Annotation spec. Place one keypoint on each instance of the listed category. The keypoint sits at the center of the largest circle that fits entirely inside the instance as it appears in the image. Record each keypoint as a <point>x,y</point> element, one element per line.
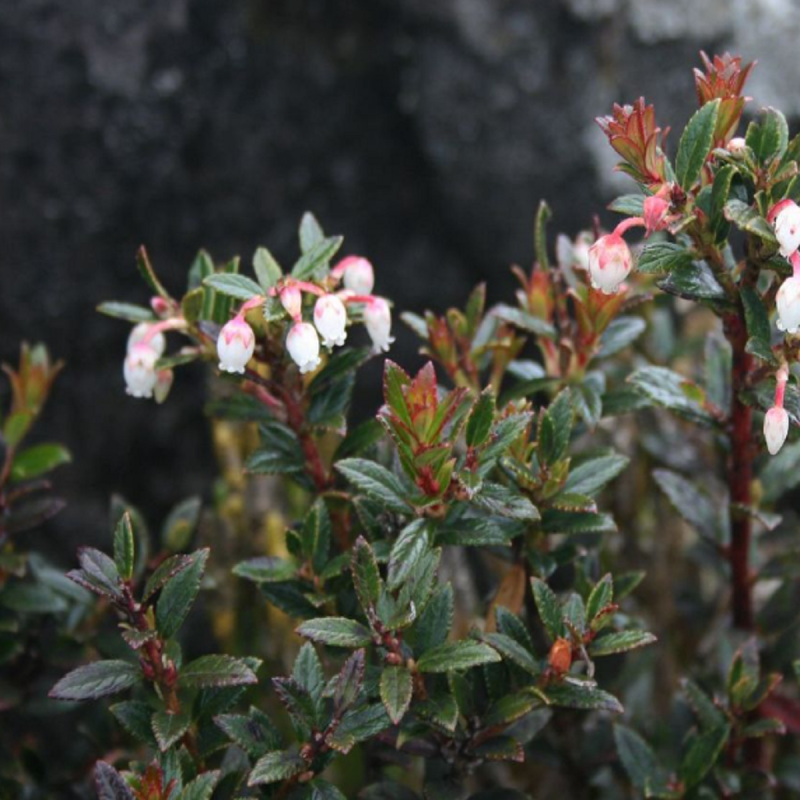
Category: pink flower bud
<point>292,301</point>
<point>787,301</point>
<point>358,274</point>
<point>157,343</point>
<point>235,345</point>
<point>330,317</point>
<point>139,371</point>
<point>160,306</point>
<point>655,213</point>
<point>610,262</point>
<point>378,320</point>
<point>776,428</point>
<point>737,146</point>
<point>302,343</point>
<point>164,379</point>
<point>785,219</point>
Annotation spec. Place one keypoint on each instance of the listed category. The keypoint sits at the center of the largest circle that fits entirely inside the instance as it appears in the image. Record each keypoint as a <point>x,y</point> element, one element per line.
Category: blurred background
<point>425,131</point>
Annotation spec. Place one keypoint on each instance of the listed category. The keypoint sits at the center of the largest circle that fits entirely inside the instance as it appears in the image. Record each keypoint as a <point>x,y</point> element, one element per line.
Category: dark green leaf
<point>481,419</point>
<point>135,717</point>
<point>659,257</point>
<point>695,281</point>
<point>702,754</point>
<point>169,728</point>
<point>266,268</point>
<point>336,631</point>
<point>621,332</point>
<point>123,547</point>
<point>747,219</point>
<point>636,756</point>
<point>768,138</point>
<point>313,264</point>
<point>620,642</point>
<point>366,577</point>
<point>127,311</point>
<point>99,679</point>
<point>376,482</point>
<point>513,651</point>
<point>524,321</point>
<point>358,725</point>
<point>549,608</point>
<point>457,656</point>
<point>232,285</point>
<point>670,390</point>
<point>38,460</point>
<point>254,732</point>
<point>410,545</point>
<point>279,765</point>
<point>181,523</point>
<point>217,670</point>
<point>695,144</point>
<point>178,595</point>
<point>586,696</point>
<point>109,784</point>
<point>589,477</point>
<point>397,688</point>
<point>692,504</point>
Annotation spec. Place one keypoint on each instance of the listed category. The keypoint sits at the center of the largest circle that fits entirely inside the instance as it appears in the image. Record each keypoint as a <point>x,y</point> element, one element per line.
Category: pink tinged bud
<point>156,343</point>
<point>160,306</point>
<point>140,371</point>
<point>610,262</point>
<point>655,213</point>
<point>302,343</point>
<point>330,317</point>
<point>235,345</point>
<point>786,222</point>
<point>776,429</point>
<point>378,320</point>
<point>292,301</point>
<point>737,146</point>
<point>580,253</point>
<point>359,276</point>
<point>164,379</point>
<point>787,302</point>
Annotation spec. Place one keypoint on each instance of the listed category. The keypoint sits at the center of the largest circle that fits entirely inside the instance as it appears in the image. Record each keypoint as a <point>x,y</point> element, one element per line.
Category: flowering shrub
<point>466,619</point>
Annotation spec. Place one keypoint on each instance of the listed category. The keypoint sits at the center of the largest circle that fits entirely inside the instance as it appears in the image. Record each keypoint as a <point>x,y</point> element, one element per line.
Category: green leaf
<point>660,257</point>
<point>38,460</point>
<point>358,725</point>
<point>99,679</point>
<point>433,625</point>
<point>123,547</point>
<point>411,544</point>
<point>574,523</point>
<point>632,205</point>
<point>135,717</point>
<point>216,670</point>
<point>181,523</point>
<point>178,595</point>
<point>397,687</point>
<point>758,326</point>
<point>32,598</point>
<point>457,656</point>
<point>768,138</point>
<point>440,708</point>
<point>307,671</point>
<point>169,727</point>
<point>109,784</point>
<point>692,504</point>
<point>620,642</point>
<point>202,787</point>
<point>589,477</point>
<point>695,144</point>
<point>548,607</point>
<point>311,232</point>
<point>266,268</point>
<point>168,568</point>
<point>695,281</point>
<point>348,683</point>
<point>513,651</point>
<point>555,427</point>
<point>127,311</point>
<point>621,332</point>
<point>703,753</point>
<point>366,577</point>
<point>670,390</point>
<point>481,419</point>
<point>586,697</point>
<point>313,264</point>
<point>376,482</point>
<point>524,321</point>
<point>637,756</point>
<point>601,596</point>
<point>748,219</point>
<point>254,732</point>
<point>279,765</point>
<point>706,712</point>
<point>336,631</point>
<point>504,502</point>
<point>543,214</point>
<point>265,569</point>
<point>513,707</point>
<point>233,285</point>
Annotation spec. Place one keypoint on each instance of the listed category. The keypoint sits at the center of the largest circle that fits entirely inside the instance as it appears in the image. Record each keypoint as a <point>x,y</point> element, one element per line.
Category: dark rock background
<point>425,131</point>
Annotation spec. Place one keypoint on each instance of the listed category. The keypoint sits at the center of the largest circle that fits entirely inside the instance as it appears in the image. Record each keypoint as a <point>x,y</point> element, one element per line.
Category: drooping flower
<point>787,301</point>
<point>292,301</point>
<point>785,219</point>
<point>378,321</point>
<point>302,343</point>
<point>157,342</point>
<point>737,146</point>
<point>358,274</point>
<point>656,209</point>
<point>776,428</point>
<point>139,370</point>
<point>235,345</point>
<point>330,318</point>
<point>610,262</point>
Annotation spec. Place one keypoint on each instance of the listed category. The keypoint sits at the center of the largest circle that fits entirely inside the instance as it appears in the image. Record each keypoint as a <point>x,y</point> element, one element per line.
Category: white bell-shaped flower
<point>292,301</point>
<point>787,301</point>
<point>776,428</point>
<point>359,276</point>
<point>330,318</point>
<point>610,262</point>
<point>156,342</point>
<point>378,320</point>
<point>786,222</point>
<point>302,343</point>
<point>139,371</point>
<point>235,345</point>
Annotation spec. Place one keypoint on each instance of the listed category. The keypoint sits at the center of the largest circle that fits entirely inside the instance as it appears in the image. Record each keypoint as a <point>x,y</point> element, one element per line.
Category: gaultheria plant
<point>463,605</point>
